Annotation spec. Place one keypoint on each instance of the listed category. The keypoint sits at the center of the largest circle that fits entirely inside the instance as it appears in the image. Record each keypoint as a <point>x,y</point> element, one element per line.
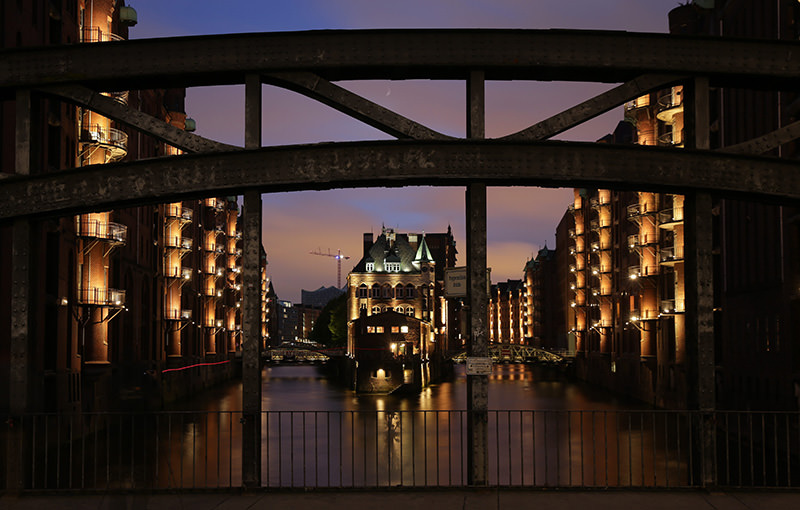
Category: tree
<point>331,326</point>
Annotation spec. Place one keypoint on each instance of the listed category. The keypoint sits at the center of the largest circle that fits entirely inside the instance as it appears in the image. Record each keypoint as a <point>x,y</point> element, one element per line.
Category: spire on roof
<point>423,252</point>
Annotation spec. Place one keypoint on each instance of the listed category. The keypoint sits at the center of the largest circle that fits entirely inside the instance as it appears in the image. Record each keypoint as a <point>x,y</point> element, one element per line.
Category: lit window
<point>395,329</point>
<point>379,329</point>
<point>370,329</point>
<point>399,309</point>
<point>376,309</point>
<point>370,266</point>
<point>404,329</point>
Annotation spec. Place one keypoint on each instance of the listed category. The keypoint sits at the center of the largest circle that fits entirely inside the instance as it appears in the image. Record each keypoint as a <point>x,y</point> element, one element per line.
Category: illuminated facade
<point>399,272</point>
<point>507,313</point>
<point>627,267</point>
<point>133,291</point>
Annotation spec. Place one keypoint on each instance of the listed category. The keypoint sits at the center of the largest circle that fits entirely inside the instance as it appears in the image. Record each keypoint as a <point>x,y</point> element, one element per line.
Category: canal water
<point>511,387</point>
<point>541,429</point>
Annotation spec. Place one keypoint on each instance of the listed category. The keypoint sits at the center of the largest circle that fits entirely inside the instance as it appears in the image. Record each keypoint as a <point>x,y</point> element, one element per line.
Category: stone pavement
<point>438,499</point>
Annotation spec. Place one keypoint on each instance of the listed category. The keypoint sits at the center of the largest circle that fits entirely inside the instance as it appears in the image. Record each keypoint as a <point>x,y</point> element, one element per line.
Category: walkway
<point>457,499</point>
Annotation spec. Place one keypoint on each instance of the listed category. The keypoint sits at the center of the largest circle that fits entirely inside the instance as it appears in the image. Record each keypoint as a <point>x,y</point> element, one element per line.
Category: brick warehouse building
<point>627,250</point>
<point>131,292</point>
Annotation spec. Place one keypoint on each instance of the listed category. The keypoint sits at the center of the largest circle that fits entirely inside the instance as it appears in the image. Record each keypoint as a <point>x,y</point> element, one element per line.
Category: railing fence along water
<point>367,449</point>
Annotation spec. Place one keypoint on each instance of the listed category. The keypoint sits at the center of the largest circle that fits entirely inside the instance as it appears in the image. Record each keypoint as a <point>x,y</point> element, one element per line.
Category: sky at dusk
<point>520,219</point>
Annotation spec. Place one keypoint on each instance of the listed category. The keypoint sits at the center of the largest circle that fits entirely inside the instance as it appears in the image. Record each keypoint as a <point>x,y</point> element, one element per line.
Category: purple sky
<point>520,220</point>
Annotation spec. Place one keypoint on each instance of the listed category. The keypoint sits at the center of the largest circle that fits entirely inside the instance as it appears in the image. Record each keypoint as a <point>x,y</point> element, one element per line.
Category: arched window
<point>399,309</point>
<point>363,291</point>
<point>376,291</point>
<point>376,309</point>
<point>398,291</point>
<point>387,291</point>
<point>409,291</point>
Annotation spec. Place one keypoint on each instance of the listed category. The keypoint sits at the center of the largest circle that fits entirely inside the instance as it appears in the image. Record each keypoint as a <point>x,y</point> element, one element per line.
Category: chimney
<point>368,242</point>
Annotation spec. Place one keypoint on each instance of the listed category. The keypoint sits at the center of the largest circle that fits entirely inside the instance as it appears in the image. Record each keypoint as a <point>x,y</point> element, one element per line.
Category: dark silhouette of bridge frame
<point>309,62</point>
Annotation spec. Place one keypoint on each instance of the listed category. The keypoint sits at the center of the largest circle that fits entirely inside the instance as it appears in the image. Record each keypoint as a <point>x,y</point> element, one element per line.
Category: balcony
<point>211,291</point>
<point>668,218</point>
<point>673,306</point>
<point>571,233</point>
<point>114,233</point>
<point>114,140</point>
<point>215,204</point>
<point>639,102</point>
<point>669,105</point>
<point>184,273</point>
<point>184,214</point>
<point>669,139</point>
<point>121,96</point>
<point>178,243</point>
<point>646,314</point>
<point>635,272</point>
<point>101,296</point>
<point>172,314</point>
<point>210,270</point>
<point>96,34</point>
<point>237,235</point>
<point>634,210</point>
<point>671,254</point>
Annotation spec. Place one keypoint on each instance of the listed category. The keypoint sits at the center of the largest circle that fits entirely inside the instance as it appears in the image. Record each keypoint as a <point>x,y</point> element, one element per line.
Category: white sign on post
<point>479,366</point>
<point>455,282</point>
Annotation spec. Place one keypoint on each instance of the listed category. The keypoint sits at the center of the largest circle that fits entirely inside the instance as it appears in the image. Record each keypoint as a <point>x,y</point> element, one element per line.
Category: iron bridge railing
<point>370,449</point>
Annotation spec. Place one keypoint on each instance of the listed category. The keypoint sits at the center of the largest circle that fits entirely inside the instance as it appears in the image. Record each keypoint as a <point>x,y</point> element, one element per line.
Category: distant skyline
<point>520,219</point>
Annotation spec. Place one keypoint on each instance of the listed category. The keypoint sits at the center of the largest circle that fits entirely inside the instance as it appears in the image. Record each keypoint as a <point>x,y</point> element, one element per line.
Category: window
<point>387,291</point>
<point>409,291</point>
<point>370,329</point>
<point>395,329</point>
<point>362,291</point>
<point>376,291</point>
<point>376,309</point>
<point>393,267</point>
<point>404,329</point>
<point>379,329</point>
<point>399,309</point>
<point>410,311</point>
<point>370,266</point>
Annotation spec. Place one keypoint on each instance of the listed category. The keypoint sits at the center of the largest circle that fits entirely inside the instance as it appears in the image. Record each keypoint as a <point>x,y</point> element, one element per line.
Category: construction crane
<point>338,256</point>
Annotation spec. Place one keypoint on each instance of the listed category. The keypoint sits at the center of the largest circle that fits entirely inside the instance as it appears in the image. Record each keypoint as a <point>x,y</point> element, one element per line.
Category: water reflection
<point>542,431</point>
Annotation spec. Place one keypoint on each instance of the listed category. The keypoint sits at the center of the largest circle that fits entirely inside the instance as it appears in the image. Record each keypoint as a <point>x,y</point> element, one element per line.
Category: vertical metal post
<point>21,310</point>
<point>699,283</point>
<point>251,300</point>
<point>477,385</point>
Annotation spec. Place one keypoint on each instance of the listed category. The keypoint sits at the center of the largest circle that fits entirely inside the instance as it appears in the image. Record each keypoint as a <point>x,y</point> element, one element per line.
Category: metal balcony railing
<point>96,34</point>
<point>101,296</point>
<point>671,254</point>
<point>672,215</point>
<point>106,136</point>
<point>174,314</point>
<point>183,273</point>
<point>180,212</point>
<point>107,231</point>
<point>119,96</point>
<point>673,306</point>
<point>178,243</point>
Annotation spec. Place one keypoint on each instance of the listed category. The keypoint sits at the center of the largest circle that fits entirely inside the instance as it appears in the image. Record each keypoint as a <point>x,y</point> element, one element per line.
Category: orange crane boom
<point>338,256</point>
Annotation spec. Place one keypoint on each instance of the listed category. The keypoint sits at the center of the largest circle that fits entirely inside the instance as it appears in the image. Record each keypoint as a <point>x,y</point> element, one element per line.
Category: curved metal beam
<point>375,164</point>
<point>593,107</point>
<point>373,114</point>
<point>104,105</point>
<point>404,54</point>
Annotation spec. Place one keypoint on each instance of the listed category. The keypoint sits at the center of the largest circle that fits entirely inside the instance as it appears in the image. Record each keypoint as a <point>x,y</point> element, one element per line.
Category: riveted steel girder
<point>595,56</point>
<point>398,163</point>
